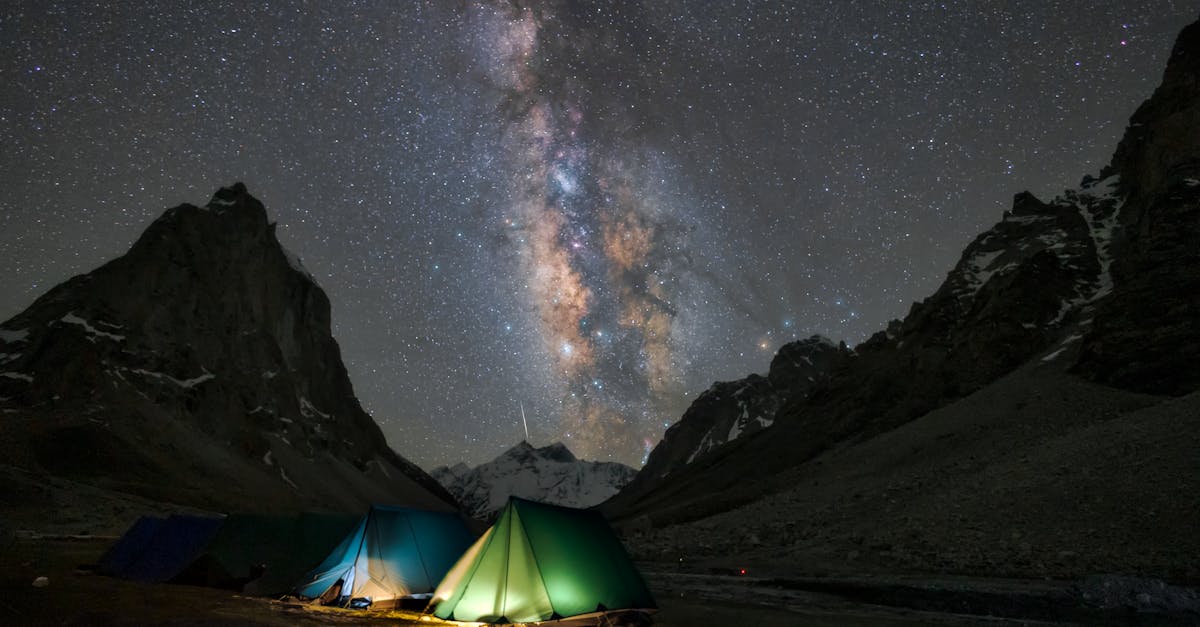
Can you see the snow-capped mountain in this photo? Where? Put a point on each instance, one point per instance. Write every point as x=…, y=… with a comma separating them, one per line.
x=550, y=474
x=197, y=368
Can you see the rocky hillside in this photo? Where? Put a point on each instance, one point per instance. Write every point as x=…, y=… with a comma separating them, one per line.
x=1102, y=281
x=198, y=369
x=550, y=474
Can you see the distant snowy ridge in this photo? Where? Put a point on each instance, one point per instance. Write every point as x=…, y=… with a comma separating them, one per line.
x=550, y=474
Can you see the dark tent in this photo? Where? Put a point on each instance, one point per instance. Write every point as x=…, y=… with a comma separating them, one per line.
x=173, y=545
x=308, y=539
x=393, y=552
x=129, y=546
x=236, y=554
x=541, y=562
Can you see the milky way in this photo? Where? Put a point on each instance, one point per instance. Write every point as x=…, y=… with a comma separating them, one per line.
x=601, y=252
x=588, y=209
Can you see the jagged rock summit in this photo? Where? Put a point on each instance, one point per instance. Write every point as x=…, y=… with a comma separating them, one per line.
x=550, y=474
x=197, y=368
x=729, y=410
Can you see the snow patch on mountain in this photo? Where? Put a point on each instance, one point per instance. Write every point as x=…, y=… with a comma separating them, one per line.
x=1099, y=204
x=92, y=331
x=550, y=474
x=13, y=336
x=1100, y=208
x=308, y=410
x=183, y=383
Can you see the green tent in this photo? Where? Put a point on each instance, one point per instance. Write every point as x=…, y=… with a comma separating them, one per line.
x=541, y=562
x=266, y=553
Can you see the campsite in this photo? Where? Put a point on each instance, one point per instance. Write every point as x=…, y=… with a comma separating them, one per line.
x=537, y=562
x=73, y=597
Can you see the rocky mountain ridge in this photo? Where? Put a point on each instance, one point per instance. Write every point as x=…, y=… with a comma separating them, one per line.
x=198, y=368
x=550, y=474
x=1103, y=280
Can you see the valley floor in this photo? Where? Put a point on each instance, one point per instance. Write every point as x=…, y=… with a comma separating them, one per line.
x=687, y=599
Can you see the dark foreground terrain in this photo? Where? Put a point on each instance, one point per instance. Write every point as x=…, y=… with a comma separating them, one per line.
x=74, y=597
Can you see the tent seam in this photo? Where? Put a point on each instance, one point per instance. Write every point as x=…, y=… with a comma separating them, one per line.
x=507, y=558
x=469, y=577
x=537, y=563
x=420, y=554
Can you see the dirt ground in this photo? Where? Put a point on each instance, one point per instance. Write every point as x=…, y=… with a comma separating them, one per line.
x=75, y=597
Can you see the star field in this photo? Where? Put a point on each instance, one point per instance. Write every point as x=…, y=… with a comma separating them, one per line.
x=589, y=209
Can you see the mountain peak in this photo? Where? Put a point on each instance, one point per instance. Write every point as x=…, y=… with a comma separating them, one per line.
x=520, y=448
x=803, y=359
x=554, y=452
x=211, y=331
x=234, y=195
x=1158, y=142
x=550, y=474
x=557, y=452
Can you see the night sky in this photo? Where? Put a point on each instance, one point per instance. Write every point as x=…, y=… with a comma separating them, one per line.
x=591, y=210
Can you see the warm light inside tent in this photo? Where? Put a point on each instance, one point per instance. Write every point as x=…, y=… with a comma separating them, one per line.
x=393, y=552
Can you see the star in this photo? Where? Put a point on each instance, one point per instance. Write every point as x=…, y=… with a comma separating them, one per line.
x=645, y=196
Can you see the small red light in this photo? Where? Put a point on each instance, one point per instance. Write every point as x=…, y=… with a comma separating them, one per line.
x=743, y=571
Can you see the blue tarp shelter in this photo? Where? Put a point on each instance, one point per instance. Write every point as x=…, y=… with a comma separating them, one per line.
x=174, y=543
x=128, y=548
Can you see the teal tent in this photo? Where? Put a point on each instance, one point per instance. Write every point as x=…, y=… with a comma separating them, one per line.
x=541, y=562
x=392, y=553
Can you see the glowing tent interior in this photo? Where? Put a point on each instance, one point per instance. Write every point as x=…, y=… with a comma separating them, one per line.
x=541, y=562
x=393, y=552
